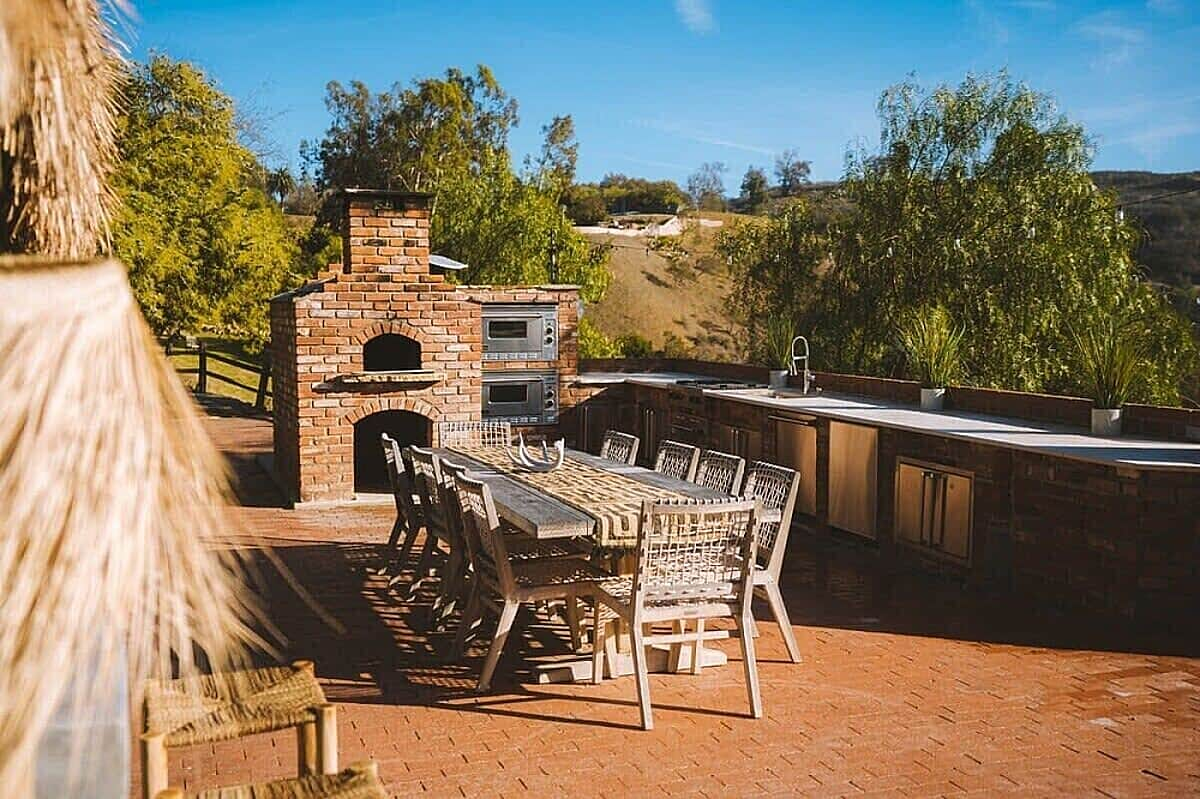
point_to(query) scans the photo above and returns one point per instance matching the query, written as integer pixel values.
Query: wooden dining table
(543, 516)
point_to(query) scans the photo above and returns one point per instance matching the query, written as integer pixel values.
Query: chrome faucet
(805, 373)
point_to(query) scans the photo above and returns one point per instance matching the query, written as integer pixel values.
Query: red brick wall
(383, 286)
(1154, 421)
(877, 387)
(1021, 404)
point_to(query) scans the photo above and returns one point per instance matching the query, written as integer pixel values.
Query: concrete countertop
(1039, 437)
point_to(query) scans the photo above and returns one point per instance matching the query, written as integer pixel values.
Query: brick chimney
(385, 232)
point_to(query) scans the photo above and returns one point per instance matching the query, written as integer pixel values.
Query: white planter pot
(1106, 421)
(779, 378)
(932, 398)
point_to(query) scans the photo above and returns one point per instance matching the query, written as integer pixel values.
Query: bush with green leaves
(635, 345)
(932, 347)
(1111, 352)
(593, 343)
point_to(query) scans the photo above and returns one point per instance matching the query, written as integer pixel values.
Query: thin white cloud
(988, 22)
(696, 15)
(1156, 136)
(1164, 6)
(1035, 5)
(1117, 41)
(658, 164)
(694, 133)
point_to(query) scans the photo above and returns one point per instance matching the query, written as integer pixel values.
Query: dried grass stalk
(59, 65)
(111, 496)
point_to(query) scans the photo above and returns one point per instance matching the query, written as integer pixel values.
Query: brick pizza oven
(380, 343)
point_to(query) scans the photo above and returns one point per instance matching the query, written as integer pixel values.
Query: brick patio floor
(908, 688)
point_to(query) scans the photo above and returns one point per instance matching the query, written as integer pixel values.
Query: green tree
(979, 200)
(774, 263)
(791, 172)
(280, 184)
(204, 244)
(706, 186)
(449, 137)
(754, 191)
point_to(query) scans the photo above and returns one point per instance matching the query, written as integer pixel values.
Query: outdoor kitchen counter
(1048, 439)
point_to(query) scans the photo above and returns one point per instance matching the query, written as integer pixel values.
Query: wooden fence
(204, 374)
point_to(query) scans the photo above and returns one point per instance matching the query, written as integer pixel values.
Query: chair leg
(327, 738)
(675, 655)
(638, 650)
(424, 566)
(154, 764)
(750, 663)
(471, 614)
(572, 613)
(410, 541)
(449, 590)
(598, 644)
(507, 615)
(306, 748)
(779, 610)
(698, 649)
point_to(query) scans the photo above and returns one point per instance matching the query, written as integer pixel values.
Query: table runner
(613, 500)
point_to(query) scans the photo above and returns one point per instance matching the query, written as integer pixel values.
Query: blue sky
(656, 87)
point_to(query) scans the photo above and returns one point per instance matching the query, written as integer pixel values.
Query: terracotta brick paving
(909, 688)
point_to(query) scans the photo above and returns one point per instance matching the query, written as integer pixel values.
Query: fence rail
(204, 373)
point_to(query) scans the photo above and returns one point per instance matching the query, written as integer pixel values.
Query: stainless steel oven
(522, 397)
(514, 332)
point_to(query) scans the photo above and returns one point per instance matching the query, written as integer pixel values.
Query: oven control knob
(550, 403)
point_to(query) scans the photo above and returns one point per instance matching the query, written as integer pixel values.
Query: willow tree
(108, 484)
(979, 200)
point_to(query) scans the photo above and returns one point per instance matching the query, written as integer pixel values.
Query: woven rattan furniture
(474, 434)
(677, 460)
(408, 519)
(619, 447)
(776, 489)
(221, 707)
(356, 781)
(720, 471)
(694, 561)
(503, 585)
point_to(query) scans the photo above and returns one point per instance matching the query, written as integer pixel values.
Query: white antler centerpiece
(545, 463)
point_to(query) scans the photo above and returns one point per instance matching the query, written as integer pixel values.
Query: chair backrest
(619, 447)
(483, 526)
(720, 471)
(776, 489)
(474, 434)
(677, 460)
(398, 478)
(694, 551)
(427, 468)
(451, 507)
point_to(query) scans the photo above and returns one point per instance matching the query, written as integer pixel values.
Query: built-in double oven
(526, 396)
(514, 332)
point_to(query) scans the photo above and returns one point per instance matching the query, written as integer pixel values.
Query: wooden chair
(474, 434)
(504, 585)
(776, 489)
(441, 529)
(694, 561)
(677, 460)
(221, 707)
(720, 471)
(356, 781)
(619, 447)
(408, 521)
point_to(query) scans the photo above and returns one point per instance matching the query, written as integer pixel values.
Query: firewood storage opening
(370, 469)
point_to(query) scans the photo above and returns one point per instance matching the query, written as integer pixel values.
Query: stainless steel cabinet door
(796, 448)
(912, 503)
(956, 515)
(853, 477)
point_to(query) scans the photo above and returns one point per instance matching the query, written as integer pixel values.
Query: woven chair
(776, 489)
(677, 460)
(719, 471)
(694, 561)
(474, 434)
(222, 707)
(619, 447)
(505, 585)
(356, 781)
(408, 521)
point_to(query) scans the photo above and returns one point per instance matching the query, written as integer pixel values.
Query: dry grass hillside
(673, 295)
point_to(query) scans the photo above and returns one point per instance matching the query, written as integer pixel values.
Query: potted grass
(1110, 354)
(777, 346)
(932, 346)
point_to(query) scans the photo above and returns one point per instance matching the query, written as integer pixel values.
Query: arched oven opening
(370, 468)
(391, 352)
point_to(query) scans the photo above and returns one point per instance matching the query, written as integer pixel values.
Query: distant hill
(1167, 206)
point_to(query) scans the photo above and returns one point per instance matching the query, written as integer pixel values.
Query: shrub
(635, 345)
(932, 346)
